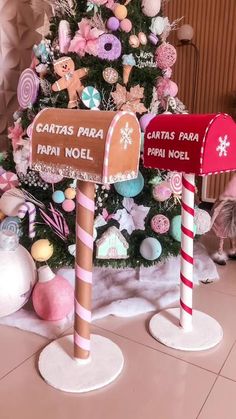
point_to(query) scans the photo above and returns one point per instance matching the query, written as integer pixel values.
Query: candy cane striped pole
(186, 272)
(28, 207)
(83, 268)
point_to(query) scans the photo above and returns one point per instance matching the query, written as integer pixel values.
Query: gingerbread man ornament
(70, 79)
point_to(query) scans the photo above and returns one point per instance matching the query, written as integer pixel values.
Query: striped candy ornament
(186, 272)
(28, 207)
(84, 266)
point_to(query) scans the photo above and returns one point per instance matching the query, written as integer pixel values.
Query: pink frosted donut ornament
(160, 224)
(27, 89)
(151, 8)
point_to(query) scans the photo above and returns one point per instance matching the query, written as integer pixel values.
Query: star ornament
(129, 101)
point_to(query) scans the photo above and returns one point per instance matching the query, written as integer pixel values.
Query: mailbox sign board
(200, 144)
(97, 146)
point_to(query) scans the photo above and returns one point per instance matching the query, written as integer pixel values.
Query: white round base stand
(205, 334)
(61, 370)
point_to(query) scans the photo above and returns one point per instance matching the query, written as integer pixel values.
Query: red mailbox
(200, 144)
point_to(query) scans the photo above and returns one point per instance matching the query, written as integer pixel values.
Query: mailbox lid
(174, 142)
(218, 152)
(122, 148)
(70, 142)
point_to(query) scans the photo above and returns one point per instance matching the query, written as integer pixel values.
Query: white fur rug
(123, 293)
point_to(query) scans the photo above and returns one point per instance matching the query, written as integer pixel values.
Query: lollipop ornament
(78, 363)
(195, 149)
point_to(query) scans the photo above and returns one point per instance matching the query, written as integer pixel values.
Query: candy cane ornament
(28, 207)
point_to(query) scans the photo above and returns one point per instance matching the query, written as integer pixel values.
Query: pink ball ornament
(11, 201)
(160, 224)
(144, 121)
(68, 205)
(134, 41)
(53, 296)
(126, 25)
(161, 192)
(17, 278)
(113, 24)
(165, 55)
(142, 38)
(151, 8)
(166, 87)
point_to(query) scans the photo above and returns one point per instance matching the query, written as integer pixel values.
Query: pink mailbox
(193, 145)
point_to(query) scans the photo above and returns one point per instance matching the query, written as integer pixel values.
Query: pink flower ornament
(85, 39)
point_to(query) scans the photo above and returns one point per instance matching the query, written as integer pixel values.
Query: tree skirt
(122, 292)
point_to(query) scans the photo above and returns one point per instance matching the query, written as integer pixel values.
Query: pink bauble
(142, 38)
(126, 25)
(167, 73)
(68, 205)
(144, 121)
(53, 296)
(17, 278)
(161, 192)
(134, 41)
(173, 89)
(160, 224)
(11, 201)
(151, 8)
(165, 55)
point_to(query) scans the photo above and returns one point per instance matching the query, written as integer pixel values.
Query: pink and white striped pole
(83, 268)
(186, 270)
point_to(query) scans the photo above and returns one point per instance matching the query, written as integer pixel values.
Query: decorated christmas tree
(101, 55)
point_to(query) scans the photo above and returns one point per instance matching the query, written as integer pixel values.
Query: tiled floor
(156, 383)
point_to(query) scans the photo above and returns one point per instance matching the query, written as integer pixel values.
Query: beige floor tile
(220, 306)
(221, 403)
(152, 385)
(229, 368)
(16, 346)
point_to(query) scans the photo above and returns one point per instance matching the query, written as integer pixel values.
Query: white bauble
(151, 8)
(17, 278)
(202, 220)
(158, 25)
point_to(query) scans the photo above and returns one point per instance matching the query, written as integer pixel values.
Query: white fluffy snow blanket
(123, 292)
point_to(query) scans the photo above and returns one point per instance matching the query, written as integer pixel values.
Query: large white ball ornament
(151, 8)
(17, 278)
(11, 201)
(150, 248)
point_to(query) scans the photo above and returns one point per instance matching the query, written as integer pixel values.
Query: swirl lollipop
(175, 181)
(27, 89)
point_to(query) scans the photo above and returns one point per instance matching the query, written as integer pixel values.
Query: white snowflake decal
(126, 138)
(223, 145)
